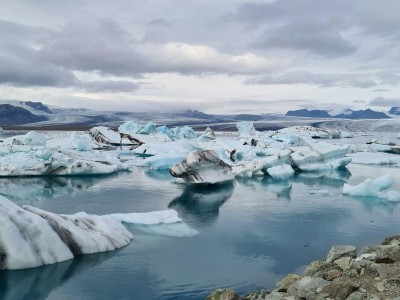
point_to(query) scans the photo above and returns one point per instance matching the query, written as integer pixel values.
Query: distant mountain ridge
(315, 113)
(348, 114)
(362, 114)
(11, 115)
(395, 110)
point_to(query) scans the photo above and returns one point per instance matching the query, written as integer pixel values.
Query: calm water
(251, 233)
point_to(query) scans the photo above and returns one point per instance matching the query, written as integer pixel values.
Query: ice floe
(369, 187)
(202, 167)
(31, 237)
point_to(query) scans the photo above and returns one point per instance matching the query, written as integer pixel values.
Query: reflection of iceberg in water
(373, 203)
(334, 178)
(40, 188)
(281, 188)
(201, 204)
(37, 283)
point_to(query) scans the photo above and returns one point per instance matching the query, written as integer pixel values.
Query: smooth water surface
(251, 233)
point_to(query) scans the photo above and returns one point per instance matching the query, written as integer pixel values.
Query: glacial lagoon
(250, 233)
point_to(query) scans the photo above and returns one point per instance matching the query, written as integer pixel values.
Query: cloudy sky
(225, 56)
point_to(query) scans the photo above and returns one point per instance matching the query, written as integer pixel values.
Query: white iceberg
(184, 132)
(32, 138)
(281, 172)
(246, 129)
(391, 196)
(320, 156)
(202, 167)
(82, 142)
(208, 135)
(374, 158)
(132, 127)
(31, 237)
(369, 187)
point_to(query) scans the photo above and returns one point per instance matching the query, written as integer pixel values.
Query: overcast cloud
(196, 54)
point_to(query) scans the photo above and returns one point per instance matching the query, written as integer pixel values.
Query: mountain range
(37, 114)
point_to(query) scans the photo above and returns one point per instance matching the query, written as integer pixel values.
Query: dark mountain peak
(362, 114)
(39, 106)
(314, 113)
(395, 110)
(196, 114)
(11, 115)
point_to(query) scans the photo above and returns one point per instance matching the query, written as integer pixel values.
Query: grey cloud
(101, 45)
(387, 102)
(324, 80)
(108, 86)
(319, 37)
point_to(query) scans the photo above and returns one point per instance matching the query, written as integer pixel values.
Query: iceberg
(31, 237)
(391, 196)
(281, 172)
(320, 156)
(310, 132)
(208, 135)
(132, 127)
(106, 135)
(82, 142)
(246, 129)
(374, 158)
(184, 132)
(32, 138)
(369, 187)
(202, 167)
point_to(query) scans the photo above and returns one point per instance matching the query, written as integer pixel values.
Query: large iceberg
(202, 167)
(31, 237)
(320, 156)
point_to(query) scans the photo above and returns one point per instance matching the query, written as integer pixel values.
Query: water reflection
(370, 204)
(332, 178)
(281, 188)
(23, 190)
(201, 204)
(37, 283)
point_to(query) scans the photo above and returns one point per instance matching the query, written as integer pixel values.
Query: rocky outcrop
(342, 275)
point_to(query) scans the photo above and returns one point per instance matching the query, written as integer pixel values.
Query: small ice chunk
(281, 172)
(246, 129)
(369, 187)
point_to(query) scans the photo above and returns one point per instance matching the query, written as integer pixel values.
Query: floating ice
(184, 132)
(374, 158)
(369, 187)
(320, 156)
(32, 138)
(208, 135)
(391, 196)
(246, 129)
(106, 135)
(31, 237)
(82, 142)
(281, 172)
(202, 167)
(132, 127)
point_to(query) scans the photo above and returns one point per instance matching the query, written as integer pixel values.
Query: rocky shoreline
(372, 274)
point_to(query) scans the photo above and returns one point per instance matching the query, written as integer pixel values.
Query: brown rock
(284, 284)
(332, 274)
(339, 290)
(223, 294)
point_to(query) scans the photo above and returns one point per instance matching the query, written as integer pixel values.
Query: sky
(225, 56)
